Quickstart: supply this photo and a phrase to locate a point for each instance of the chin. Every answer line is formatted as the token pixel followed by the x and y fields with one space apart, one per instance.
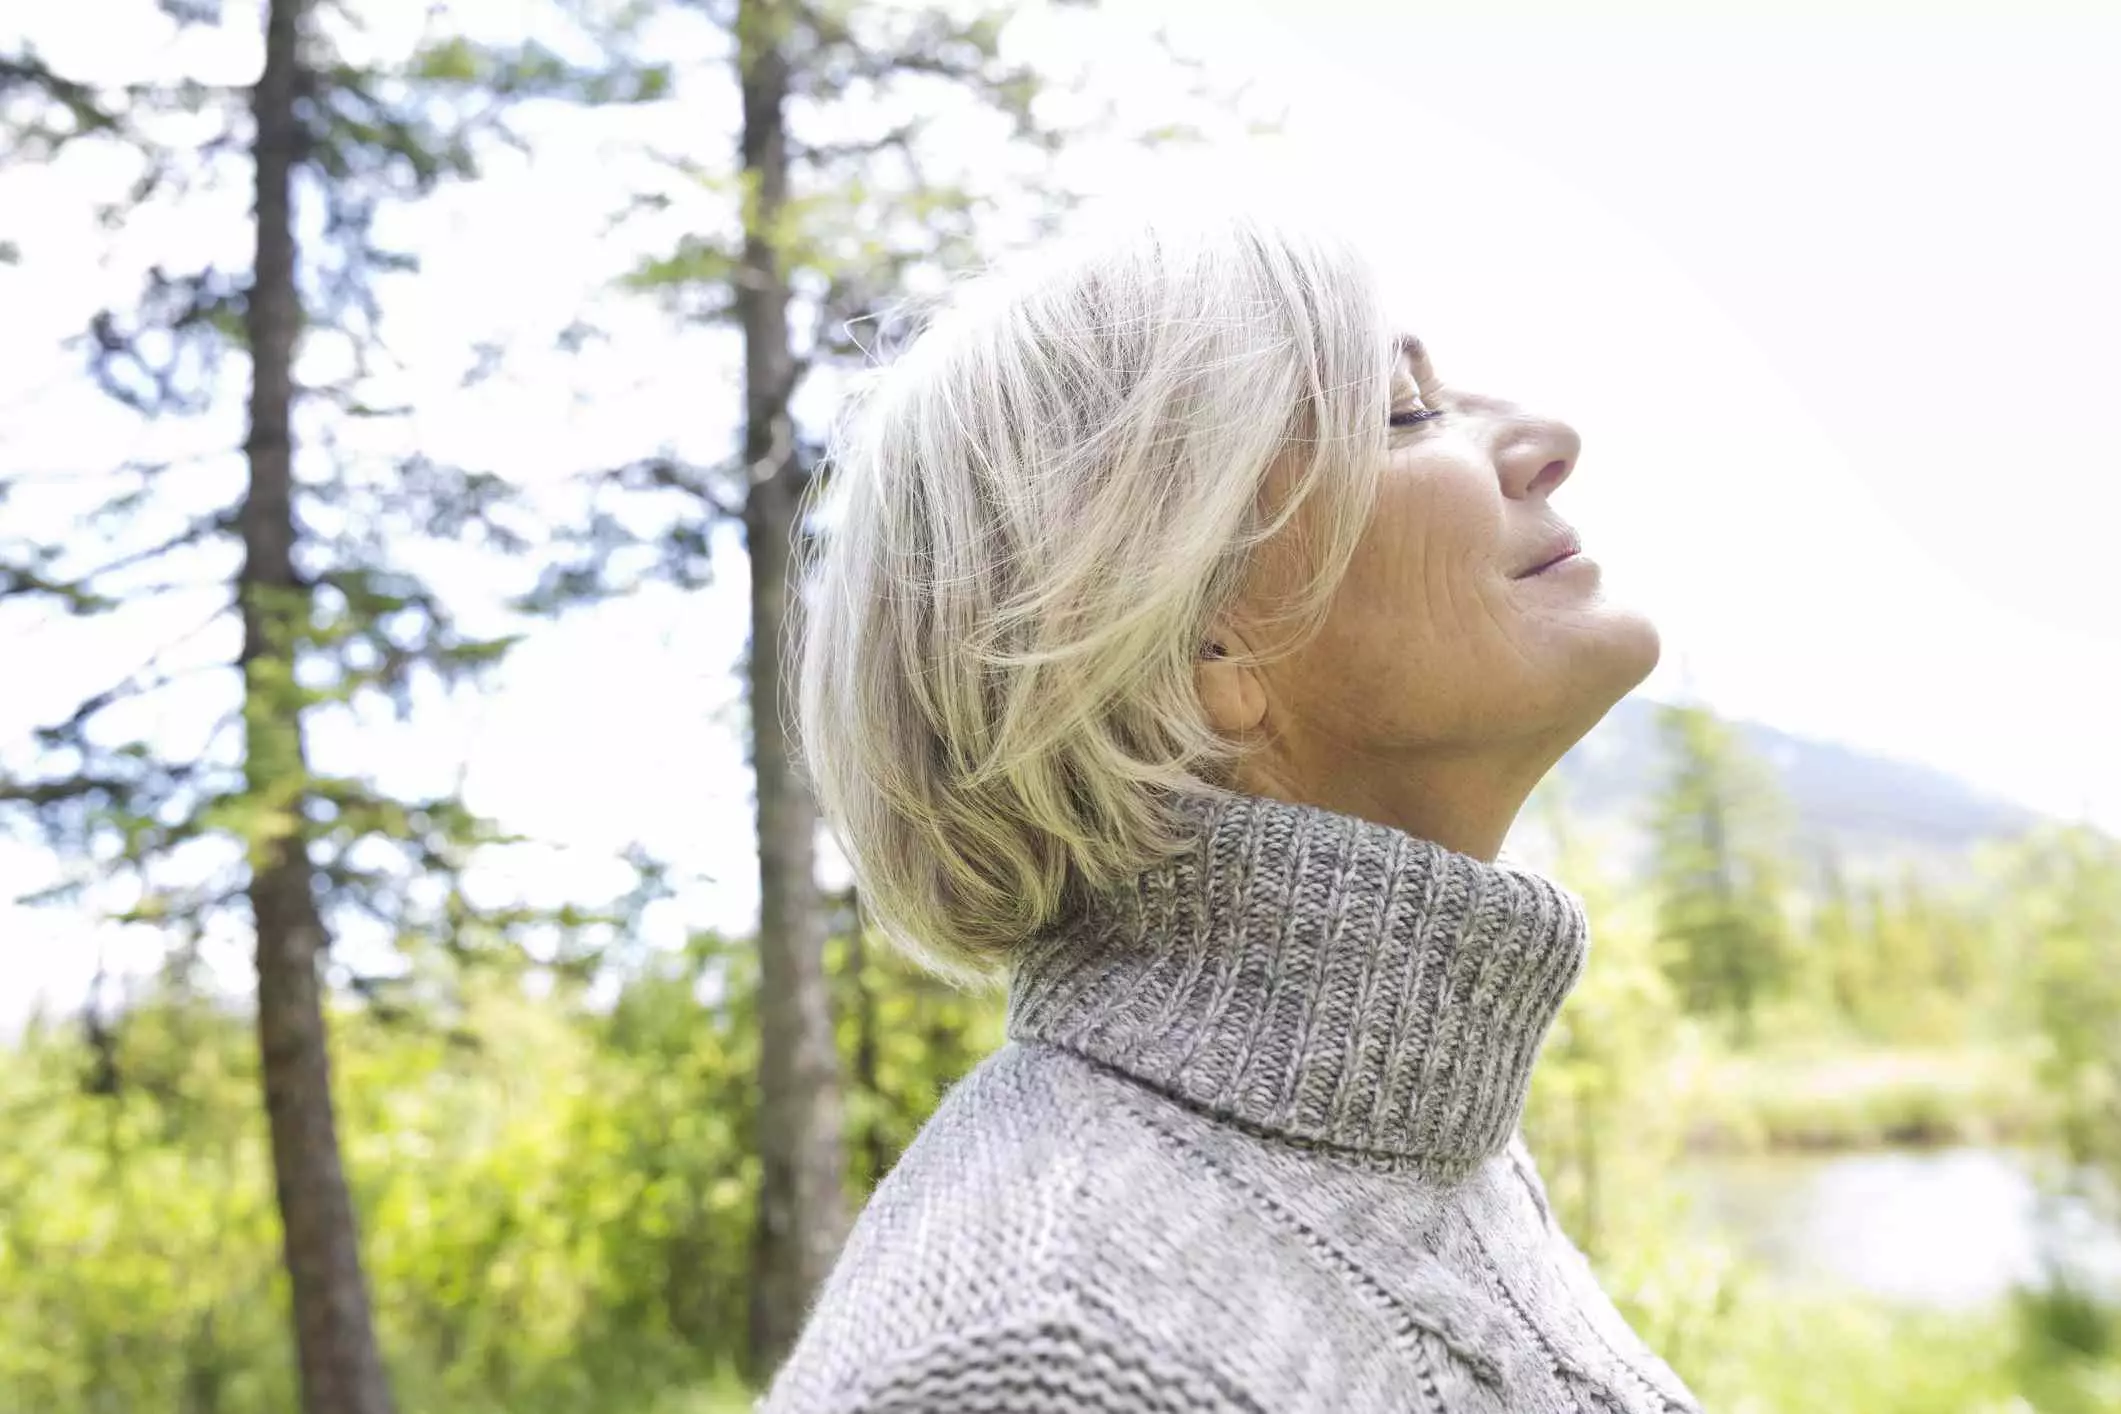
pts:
pixel 1617 658
pixel 1640 646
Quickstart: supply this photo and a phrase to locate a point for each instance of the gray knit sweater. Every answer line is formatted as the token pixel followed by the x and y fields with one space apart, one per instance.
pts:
pixel 1252 1146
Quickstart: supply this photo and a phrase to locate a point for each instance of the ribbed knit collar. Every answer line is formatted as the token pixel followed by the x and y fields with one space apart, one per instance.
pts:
pixel 1318 977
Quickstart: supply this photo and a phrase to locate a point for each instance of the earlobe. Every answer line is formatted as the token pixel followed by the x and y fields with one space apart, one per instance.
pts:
pixel 1231 693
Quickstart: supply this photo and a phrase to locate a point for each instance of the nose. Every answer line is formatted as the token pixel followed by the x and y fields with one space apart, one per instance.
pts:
pixel 1537 455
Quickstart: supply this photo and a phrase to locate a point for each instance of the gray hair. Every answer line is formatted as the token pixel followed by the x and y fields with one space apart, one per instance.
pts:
pixel 1032 518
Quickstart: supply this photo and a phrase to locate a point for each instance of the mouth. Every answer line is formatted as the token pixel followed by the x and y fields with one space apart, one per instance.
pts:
pixel 1558 552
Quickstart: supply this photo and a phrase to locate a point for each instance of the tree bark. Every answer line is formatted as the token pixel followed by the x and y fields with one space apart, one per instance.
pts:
pixel 802 1215
pixel 340 1367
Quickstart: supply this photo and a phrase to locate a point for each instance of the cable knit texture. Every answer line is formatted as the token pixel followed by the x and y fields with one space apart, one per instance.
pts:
pixel 1252 1145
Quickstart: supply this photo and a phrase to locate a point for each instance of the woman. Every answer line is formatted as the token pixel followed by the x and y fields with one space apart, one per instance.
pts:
pixel 1181 649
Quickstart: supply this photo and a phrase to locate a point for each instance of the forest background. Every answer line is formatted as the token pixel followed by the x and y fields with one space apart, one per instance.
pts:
pixel 422 982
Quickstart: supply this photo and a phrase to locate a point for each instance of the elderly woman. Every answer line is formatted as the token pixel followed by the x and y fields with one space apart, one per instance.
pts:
pixel 1181 649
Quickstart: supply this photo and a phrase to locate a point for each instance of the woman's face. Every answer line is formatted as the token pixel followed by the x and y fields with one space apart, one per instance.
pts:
pixel 1447 665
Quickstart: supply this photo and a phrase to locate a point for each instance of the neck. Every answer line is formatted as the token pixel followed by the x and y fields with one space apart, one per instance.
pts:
pixel 1318 977
pixel 1465 801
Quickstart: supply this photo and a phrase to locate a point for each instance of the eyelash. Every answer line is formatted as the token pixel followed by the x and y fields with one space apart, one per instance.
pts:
pixel 1410 419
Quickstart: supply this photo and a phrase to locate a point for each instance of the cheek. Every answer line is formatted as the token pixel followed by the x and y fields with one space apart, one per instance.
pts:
pixel 1382 634
pixel 1417 597
pixel 1422 568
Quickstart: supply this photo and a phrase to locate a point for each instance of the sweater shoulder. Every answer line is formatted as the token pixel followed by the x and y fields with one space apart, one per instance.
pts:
pixel 1057 1237
pixel 975 1237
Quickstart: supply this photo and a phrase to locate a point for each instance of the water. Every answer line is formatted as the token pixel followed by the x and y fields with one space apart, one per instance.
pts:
pixel 1948 1228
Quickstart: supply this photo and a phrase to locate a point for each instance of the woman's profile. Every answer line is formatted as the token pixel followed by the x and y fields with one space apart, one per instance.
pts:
pixel 1181 648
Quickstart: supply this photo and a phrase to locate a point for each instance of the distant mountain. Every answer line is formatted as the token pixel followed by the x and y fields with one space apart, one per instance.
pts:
pixel 1875 811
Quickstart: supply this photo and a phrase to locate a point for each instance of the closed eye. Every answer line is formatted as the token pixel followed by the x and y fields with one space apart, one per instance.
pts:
pixel 1414 415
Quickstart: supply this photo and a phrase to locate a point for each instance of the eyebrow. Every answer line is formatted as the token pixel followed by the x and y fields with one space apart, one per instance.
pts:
pixel 1409 347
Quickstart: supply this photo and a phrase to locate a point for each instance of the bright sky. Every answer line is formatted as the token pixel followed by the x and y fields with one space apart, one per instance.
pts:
pixel 1831 301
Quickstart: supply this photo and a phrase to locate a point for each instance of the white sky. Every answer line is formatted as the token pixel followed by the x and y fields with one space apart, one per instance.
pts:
pixel 1833 303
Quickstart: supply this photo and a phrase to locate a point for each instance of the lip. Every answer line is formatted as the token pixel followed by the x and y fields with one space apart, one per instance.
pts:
pixel 1557 550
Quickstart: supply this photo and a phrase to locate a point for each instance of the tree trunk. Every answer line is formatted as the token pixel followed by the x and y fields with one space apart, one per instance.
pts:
pixel 340 1367
pixel 802 1205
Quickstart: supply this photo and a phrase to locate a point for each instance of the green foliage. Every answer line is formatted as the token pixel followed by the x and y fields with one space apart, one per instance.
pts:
pixel 1791 1353
pixel 904 1038
pixel 2067 1351
pixel 1781 955
pixel 1750 1346
pixel 139 1249
pixel 697 260
pixel 1600 1149
pixel 1852 1095
pixel 1902 1014
pixel 2063 911
pixel 556 1199
pixel 533 71
pixel 1719 825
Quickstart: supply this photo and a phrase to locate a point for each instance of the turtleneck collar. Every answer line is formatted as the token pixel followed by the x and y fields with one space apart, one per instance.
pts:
pixel 1318 977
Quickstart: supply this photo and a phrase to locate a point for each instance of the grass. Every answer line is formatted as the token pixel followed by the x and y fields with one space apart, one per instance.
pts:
pixel 1748 1343
pixel 717 1397
pixel 1811 1098
pixel 1863 1355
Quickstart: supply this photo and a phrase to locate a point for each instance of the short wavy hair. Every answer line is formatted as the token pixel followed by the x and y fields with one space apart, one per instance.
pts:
pixel 1032 518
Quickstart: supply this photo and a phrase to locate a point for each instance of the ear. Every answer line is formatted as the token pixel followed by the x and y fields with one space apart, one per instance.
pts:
pixel 1232 693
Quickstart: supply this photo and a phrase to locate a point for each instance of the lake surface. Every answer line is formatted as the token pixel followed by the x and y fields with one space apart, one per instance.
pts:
pixel 1949 1228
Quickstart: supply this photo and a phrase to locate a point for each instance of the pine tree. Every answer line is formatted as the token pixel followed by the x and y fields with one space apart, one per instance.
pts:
pixel 1720 832
pixel 841 199
pixel 300 550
